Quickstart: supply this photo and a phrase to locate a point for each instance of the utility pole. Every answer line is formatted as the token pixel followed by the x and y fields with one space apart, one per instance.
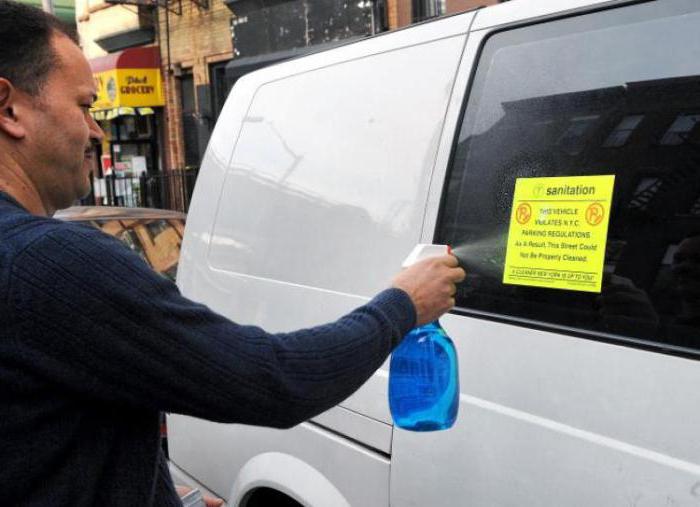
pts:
pixel 47 6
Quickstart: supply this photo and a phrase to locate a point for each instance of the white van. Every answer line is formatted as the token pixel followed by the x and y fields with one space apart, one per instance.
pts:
pixel 324 172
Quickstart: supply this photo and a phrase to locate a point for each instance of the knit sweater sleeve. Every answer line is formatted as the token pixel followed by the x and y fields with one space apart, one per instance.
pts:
pixel 92 318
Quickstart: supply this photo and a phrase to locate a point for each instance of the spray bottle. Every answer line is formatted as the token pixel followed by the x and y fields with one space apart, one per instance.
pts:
pixel 423 372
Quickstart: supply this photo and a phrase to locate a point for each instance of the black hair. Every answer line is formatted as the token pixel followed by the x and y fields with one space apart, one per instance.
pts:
pixel 26 55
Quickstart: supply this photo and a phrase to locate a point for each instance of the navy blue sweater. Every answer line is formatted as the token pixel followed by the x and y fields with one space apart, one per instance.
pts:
pixel 94 345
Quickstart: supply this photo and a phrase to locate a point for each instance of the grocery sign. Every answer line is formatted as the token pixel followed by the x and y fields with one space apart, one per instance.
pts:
pixel 131 78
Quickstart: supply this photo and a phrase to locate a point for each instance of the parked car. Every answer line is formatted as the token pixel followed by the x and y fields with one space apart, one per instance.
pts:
pixel 155 234
pixel 579 366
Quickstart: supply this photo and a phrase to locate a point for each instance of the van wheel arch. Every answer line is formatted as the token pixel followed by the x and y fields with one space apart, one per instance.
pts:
pixel 275 475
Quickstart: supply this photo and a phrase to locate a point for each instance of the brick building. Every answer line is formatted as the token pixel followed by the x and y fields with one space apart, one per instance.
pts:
pixel 195 42
pixel 207 44
pixel 405 12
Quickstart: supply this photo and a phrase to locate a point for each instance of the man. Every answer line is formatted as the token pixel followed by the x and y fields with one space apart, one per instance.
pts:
pixel 94 345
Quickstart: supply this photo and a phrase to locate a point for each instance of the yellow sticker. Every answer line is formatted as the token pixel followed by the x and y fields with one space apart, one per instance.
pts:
pixel 558 231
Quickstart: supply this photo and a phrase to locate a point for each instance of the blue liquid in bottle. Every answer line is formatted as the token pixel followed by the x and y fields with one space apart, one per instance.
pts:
pixel 424 380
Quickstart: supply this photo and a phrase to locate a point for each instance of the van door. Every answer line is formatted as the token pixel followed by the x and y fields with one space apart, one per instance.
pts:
pixel 572 394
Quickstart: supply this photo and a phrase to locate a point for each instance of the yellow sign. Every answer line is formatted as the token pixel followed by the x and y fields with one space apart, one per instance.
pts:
pixel 128 88
pixel 558 232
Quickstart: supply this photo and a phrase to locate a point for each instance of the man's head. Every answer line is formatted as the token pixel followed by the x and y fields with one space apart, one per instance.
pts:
pixel 46 89
pixel 26 58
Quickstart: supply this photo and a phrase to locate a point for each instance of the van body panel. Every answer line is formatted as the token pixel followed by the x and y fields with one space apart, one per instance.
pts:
pixel 341 174
pixel 371 400
pixel 369 432
pixel 545 439
pixel 265 303
pixel 194 277
pixel 228 459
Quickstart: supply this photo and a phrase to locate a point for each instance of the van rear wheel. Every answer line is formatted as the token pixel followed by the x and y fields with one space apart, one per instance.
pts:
pixel 268 497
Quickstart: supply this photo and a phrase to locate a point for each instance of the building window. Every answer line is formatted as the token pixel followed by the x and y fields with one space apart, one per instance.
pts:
pixel 220 86
pixel 574 137
pixel 623 131
pixel 426 9
pixel 680 129
pixel 644 193
pixel 189 119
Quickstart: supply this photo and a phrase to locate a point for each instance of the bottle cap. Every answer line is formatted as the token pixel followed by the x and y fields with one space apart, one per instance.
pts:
pixel 423 251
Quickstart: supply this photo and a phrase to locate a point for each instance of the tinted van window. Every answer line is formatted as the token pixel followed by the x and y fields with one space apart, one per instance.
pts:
pixel 615 92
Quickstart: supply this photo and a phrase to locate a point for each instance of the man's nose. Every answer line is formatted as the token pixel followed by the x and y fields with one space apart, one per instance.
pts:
pixel 96 132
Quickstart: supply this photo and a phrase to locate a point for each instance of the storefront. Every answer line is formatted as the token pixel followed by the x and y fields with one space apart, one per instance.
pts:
pixel 129 108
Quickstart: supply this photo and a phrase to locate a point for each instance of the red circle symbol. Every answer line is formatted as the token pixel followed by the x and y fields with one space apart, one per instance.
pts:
pixel 523 213
pixel 595 213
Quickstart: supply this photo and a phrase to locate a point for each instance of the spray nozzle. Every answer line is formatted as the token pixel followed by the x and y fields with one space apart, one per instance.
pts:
pixel 423 251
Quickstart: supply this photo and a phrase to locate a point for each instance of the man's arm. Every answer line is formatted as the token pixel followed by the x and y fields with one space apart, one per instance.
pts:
pixel 93 317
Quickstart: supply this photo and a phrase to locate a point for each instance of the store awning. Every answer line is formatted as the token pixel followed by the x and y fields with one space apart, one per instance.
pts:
pixel 128 79
pixel 110 114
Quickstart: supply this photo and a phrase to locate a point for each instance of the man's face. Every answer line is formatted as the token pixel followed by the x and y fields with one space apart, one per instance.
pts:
pixel 62 132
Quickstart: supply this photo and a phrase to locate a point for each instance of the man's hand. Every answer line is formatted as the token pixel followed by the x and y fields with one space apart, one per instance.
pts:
pixel 208 500
pixel 431 285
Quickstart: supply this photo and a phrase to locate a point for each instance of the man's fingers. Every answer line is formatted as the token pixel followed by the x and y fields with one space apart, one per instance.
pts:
pixel 209 501
pixel 213 502
pixel 182 490
pixel 432 285
pixel 456 273
pixel 450 260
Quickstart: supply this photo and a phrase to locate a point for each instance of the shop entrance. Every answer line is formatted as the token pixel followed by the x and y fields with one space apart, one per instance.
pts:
pixel 133 147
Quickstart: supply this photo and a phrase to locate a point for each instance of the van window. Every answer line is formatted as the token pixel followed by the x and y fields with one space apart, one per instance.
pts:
pixel 615 92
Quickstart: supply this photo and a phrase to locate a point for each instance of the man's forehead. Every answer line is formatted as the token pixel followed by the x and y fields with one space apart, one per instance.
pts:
pixel 73 66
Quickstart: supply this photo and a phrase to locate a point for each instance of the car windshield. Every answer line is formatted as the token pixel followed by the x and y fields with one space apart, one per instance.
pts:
pixel 156 240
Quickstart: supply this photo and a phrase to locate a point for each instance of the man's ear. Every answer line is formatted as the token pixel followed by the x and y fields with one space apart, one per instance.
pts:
pixel 9 123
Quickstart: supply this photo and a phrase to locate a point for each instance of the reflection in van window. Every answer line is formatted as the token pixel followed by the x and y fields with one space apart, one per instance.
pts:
pixel 619 136
pixel 681 129
pixel 573 140
pixel 552 100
